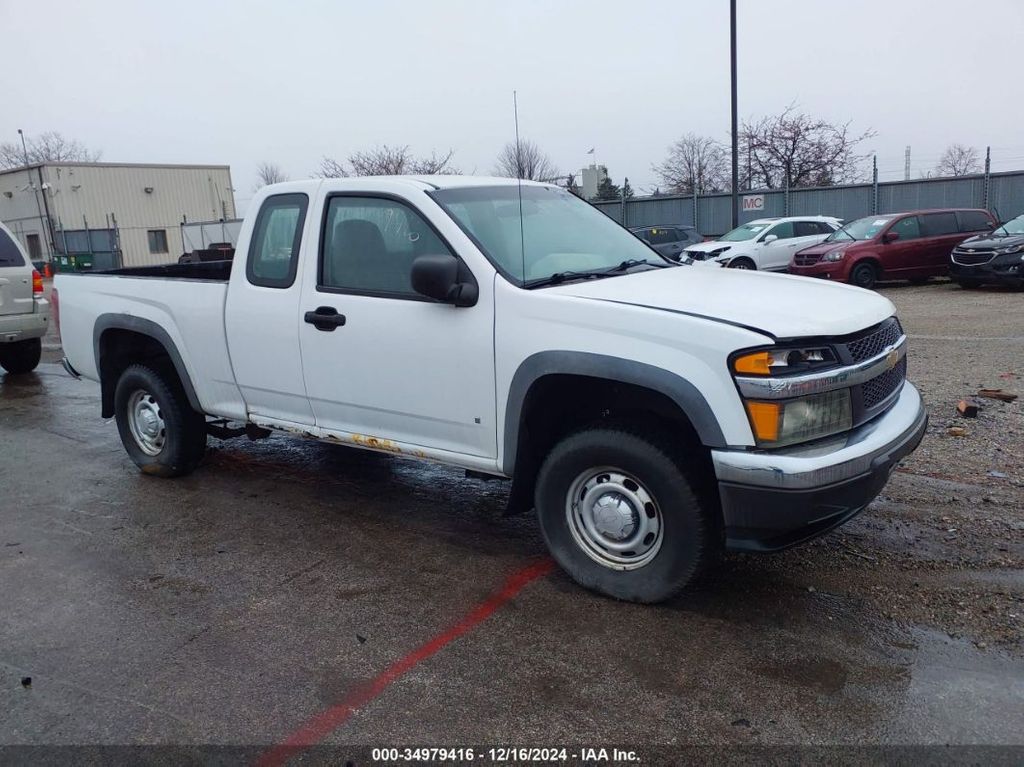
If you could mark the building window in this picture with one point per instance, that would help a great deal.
(35, 249)
(157, 240)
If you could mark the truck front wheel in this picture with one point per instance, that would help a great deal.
(160, 431)
(620, 516)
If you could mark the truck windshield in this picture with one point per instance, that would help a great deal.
(861, 229)
(558, 232)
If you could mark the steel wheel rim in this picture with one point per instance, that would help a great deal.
(146, 422)
(614, 518)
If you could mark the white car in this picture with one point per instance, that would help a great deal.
(766, 244)
(24, 313)
(651, 413)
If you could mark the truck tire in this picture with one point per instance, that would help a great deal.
(21, 356)
(160, 431)
(620, 516)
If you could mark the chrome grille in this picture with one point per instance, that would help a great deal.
(878, 388)
(876, 342)
(972, 259)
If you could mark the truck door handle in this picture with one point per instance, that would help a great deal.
(325, 318)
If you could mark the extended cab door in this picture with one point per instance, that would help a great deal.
(261, 314)
(382, 363)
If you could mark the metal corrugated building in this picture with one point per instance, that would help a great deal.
(118, 213)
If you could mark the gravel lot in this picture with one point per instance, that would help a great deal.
(235, 605)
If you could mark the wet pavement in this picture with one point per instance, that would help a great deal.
(233, 605)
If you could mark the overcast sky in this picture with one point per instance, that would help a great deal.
(292, 81)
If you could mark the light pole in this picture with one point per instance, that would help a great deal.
(735, 120)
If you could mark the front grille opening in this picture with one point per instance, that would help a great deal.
(880, 387)
(875, 342)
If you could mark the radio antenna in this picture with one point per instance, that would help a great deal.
(519, 183)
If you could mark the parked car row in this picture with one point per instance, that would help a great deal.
(967, 244)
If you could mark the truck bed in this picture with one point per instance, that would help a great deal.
(212, 271)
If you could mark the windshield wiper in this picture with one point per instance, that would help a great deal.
(592, 274)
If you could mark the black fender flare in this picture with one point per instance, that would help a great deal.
(683, 393)
(143, 327)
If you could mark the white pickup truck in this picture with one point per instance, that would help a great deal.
(652, 413)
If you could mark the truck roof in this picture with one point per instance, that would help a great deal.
(427, 182)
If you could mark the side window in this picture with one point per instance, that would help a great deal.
(369, 245)
(973, 221)
(938, 224)
(810, 228)
(274, 247)
(907, 228)
(643, 234)
(10, 254)
(783, 231)
(662, 236)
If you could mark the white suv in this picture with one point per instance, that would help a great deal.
(767, 244)
(24, 313)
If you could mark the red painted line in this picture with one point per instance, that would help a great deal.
(321, 725)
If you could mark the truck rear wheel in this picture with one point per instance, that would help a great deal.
(160, 431)
(21, 356)
(620, 516)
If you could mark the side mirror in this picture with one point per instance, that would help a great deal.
(770, 239)
(890, 236)
(444, 278)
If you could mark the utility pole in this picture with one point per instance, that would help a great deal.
(988, 175)
(735, 120)
(874, 184)
(906, 164)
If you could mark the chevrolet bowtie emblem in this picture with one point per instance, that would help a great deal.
(892, 358)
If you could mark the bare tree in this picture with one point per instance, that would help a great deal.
(525, 161)
(389, 161)
(49, 146)
(958, 160)
(269, 173)
(331, 168)
(793, 149)
(694, 163)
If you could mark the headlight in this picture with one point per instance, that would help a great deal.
(774, 362)
(786, 422)
(836, 255)
(1011, 249)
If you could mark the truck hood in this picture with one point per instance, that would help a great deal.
(778, 305)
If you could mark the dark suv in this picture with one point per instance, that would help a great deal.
(996, 257)
(670, 241)
(892, 246)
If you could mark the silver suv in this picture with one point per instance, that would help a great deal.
(24, 313)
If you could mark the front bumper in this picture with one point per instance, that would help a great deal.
(999, 270)
(22, 327)
(829, 270)
(775, 499)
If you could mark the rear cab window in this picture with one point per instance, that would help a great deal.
(10, 253)
(276, 237)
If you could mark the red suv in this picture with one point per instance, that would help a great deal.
(909, 246)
